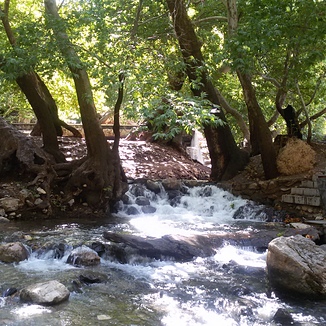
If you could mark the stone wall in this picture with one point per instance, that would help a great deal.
(297, 196)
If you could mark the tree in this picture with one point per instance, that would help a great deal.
(260, 136)
(285, 44)
(38, 96)
(100, 178)
(226, 158)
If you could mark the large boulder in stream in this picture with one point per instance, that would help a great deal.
(296, 265)
(13, 252)
(185, 248)
(178, 247)
(45, 293)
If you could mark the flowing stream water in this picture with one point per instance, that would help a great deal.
(228, 288)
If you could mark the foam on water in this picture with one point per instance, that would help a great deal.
(241, 256)
(200, 210)
(44, 263)
(29, 310)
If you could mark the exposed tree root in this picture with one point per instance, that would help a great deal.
(20, 156)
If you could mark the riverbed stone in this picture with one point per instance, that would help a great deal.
(45, 293)
(171, 184)
(3, 219)
(83, 256)
(153, 186)
(13, 252)
(132, 210)
(148, 209)
(296, 265)
(142, 201)
(9, 204)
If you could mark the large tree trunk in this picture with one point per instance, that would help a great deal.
(99, 179)
(259, 132)
(32, 87)
(226, 158)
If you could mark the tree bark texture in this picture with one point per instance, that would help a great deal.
(42, 104)
(226, 158)
(260, 128)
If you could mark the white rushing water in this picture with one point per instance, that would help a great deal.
(202, 210)
(228, 288)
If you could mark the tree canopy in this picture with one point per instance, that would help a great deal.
(279, 44)
(282, 44)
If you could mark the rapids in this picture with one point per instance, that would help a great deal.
(228, 288)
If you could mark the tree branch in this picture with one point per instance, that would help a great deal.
(313, 117)
(136, 21)
(116, 122)
(206, 19)
(316, 88)
(305, 112)
(6, 24)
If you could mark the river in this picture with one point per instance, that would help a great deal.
(229, 288)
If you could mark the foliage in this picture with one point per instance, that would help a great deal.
(175, 114)
(13, 105)
(274, 36)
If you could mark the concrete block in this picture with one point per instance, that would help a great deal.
(307, 184)
(311, 192)
(313, 201)
(297, 191)
(299, 200)
(288, 199)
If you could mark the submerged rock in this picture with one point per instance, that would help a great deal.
(13, 252)
(296, 265)
(3, 219)
(91, 277)
(9, 292)
(45, 293)
(132, 210)
(283, 317)
(148, 209)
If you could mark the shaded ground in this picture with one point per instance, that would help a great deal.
(152, 161)
(146, 160)
(149, 160)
